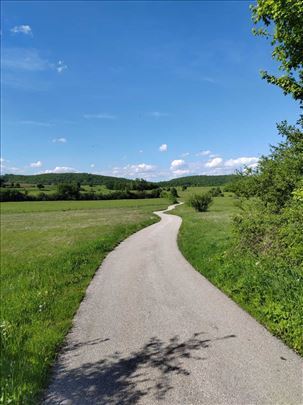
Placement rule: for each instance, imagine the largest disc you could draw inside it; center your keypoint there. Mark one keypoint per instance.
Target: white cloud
(175, 164)
(142, 168)
(8, 169)
(61, 169)
(185, 154)
(203, 153)
(163, 147)
(102, 116)
(248, 161)
(22, 29)
(36, 164)
(59, 140)
(61, 66)
(157, 114)
(135, 170)
(215, 162)
(92, 165)
(179, 167)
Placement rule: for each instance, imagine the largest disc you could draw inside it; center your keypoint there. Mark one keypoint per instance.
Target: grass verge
(274, 296)
(50, 252)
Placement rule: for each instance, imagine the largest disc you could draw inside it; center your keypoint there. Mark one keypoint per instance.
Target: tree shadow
(121, 379)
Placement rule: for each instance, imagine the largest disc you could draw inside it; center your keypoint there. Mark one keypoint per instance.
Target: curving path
(152, 330)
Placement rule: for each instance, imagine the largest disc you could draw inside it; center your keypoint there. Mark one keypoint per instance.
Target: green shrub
(216, 192)
(200, 202)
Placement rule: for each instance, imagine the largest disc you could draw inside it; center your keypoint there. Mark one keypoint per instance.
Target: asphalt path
(152, 330)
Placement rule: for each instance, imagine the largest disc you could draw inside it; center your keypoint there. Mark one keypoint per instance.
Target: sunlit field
(50, 251)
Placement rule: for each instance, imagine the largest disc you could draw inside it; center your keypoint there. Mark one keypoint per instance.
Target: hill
(201, 180)
(114, 183)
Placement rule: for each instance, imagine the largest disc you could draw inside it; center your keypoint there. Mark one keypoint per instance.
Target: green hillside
(202, 180)
(57, 178)
(114, 183)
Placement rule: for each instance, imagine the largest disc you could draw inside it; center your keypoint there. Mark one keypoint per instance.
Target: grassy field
(50, 251)
(273, 297)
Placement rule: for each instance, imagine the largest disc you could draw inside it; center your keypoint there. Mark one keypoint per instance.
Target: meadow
(50, 252)
(273, 296)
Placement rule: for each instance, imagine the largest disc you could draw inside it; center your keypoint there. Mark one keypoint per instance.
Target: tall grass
(273, 297)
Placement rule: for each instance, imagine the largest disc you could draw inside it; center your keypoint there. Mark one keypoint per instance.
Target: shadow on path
(124, 380)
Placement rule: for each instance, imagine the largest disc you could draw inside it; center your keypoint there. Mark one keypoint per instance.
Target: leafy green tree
(68, 191)
(282, 22)
(174, 192)
(40, 186)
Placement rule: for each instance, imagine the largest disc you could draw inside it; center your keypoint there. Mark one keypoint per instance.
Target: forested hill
(114, 183)
(202, 180)
(58, 178)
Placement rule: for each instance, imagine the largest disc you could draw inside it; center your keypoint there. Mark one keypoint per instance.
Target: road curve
(152, 330)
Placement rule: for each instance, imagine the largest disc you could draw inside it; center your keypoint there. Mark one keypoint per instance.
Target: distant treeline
(73, 192)
(115, 183)
(112, 183)
(203, 180)
(59, 178)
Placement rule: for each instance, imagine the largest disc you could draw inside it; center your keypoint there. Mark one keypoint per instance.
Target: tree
(174, 192)
(40, 186)
(68, 191)
(282, 22)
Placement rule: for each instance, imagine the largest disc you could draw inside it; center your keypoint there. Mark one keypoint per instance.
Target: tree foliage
(282, 22)
(202, 180)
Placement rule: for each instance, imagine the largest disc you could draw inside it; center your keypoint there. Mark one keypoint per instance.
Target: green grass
(50, 251)
(272, 295)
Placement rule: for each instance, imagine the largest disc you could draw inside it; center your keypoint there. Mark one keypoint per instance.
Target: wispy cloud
(157, 114)
(92, 165)
(28, 60)
(101, 116)
(35, 123)
(163, 147)
(36, 164)
(22, 29)
(23, 59)
(203, 153)
(6, 168)
(59, 140)
(185, 154)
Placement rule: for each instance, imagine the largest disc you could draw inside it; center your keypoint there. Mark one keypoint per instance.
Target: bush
(216, 192)
(200, 202)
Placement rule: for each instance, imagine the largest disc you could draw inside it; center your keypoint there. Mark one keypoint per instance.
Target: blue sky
(135, 89)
